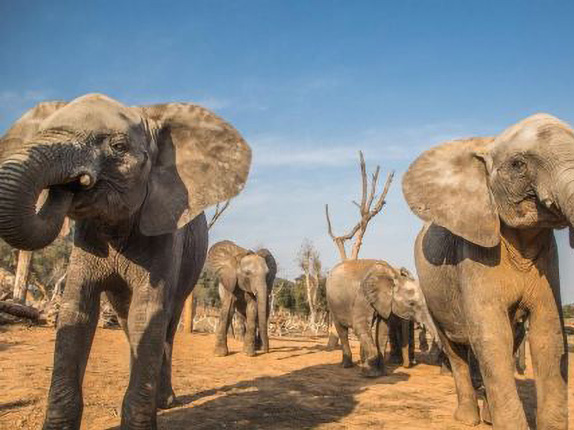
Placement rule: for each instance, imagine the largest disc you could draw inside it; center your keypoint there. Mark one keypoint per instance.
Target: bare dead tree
(310, 263)
(369, 206)
(218, 212)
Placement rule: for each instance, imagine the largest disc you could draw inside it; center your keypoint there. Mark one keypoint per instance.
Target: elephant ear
(271, 265)
(222, 261)
(30, 122)
(378, 286)
(448, 185)
(197, 160)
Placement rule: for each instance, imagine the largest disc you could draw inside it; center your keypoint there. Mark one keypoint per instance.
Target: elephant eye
(518, 165)
(119, 145)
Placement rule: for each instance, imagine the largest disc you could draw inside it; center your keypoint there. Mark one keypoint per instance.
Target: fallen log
(20, 311)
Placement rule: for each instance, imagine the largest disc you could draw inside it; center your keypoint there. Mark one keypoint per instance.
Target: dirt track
(298, 385)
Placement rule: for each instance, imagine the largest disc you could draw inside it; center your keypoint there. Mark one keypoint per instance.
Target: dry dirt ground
(298, 385)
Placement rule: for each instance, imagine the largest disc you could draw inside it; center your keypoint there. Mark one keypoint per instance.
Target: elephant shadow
(304, 398)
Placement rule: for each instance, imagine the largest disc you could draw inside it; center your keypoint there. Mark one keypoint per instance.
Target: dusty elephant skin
(362, 291)
(136, 180)
(487, 259)
(245, 284)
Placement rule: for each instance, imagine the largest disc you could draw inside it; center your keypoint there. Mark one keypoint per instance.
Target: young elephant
(362, 291)
(136, 180)
(487, 259)
(245, 284)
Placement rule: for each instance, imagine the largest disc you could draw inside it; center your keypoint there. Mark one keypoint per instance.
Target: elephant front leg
(78, 319)
(147, 324)
(372, 363)
(495, 356)
(405, 343)
(382, 339)
(225, 316)
(550, 365)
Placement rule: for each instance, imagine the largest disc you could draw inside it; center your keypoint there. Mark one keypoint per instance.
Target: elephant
(486, 258)
(136, 181)
(245, 285)
(360, 292)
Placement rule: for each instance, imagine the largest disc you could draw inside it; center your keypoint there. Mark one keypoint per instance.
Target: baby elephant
(362, 291)
(245, 283)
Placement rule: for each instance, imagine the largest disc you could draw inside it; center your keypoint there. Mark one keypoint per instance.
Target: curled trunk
(23, 176)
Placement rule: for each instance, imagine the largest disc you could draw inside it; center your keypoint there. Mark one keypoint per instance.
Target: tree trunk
(22, 272)
(189, 313)
(19, 311)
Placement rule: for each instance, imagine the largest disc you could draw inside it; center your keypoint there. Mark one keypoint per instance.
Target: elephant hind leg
(343, 333)
(165, 395)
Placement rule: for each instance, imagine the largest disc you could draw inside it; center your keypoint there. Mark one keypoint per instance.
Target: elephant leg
(147, 325)
(495, 355)
(120, 299)
(371, 365)
(423, 343)
(382, 337)
(165, 395)
(226, 311)
(467, 408)
(343, 333)
(249, 343)
(395, 355)
(77, 322)
(550, 364)
(521, 358)
(405, 344)
(241, 317)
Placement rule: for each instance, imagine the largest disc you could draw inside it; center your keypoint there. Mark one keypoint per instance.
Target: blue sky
(308, 84)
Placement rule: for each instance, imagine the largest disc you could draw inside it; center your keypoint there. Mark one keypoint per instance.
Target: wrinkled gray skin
(136, 180)
(362, 291)
(245, 284)
(487, 259)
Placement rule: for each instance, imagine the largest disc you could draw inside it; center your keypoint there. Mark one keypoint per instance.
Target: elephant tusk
(86, 180)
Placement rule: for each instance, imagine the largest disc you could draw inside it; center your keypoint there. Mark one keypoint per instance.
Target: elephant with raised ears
(486, 259)
(245, 285)
(136, 180)
(363, 292)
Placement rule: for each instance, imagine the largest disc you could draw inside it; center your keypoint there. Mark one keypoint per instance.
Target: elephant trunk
(23, 175)
(262, 316)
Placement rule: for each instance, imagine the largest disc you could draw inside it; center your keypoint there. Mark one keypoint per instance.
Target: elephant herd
(137, 179)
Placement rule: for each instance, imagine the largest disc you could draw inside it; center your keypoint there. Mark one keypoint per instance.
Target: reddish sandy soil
(298, 385)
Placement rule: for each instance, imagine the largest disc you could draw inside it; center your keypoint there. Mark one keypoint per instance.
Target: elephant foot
(394, 359)
(221, 351)
(249, 350)
(347, 362)
(372, 371)
(467, 413)
(485, 413)
(167, 401)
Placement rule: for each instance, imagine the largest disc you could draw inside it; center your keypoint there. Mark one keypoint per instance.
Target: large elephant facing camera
(136, 180)
(363, 292)
(487, 259)
(245, 284)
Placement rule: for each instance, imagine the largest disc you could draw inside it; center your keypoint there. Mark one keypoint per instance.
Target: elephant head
(160, 165)
(252, 272)
(396, 291)
(523, 177)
